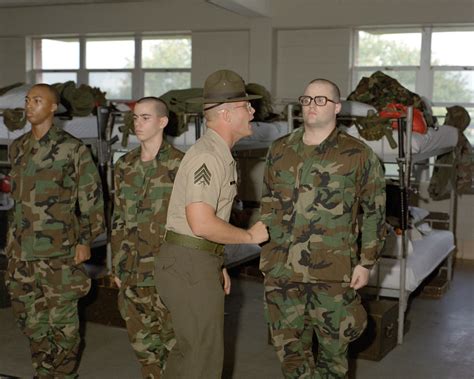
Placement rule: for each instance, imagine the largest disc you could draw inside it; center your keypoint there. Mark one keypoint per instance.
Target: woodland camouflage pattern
(380, 90)
(143, 191)
(294, 310)
(141, 204)
(149, 327)
(44, 293)
(58, 204)
(459, 172)
(312, 216)
(311, 200)
(50, 178)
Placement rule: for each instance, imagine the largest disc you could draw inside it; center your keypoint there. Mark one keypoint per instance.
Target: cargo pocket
(354, 317)
(75, 281)
(121, 302)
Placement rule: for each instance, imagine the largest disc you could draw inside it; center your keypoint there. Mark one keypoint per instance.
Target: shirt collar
(221, 146)
(163, 153)
(330, 142)
(51, 135)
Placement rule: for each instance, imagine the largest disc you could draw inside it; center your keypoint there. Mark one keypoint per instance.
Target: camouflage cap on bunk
(14, 119)
(380, 89)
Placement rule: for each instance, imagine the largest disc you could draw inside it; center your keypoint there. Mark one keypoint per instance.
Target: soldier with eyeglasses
(317, 180)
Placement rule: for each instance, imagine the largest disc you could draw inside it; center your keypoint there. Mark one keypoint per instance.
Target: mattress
(79, 127)
(235, 255)
(435, 139)
(423, 257)
(264, 133)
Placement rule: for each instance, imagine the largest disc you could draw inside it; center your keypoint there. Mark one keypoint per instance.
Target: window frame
(137, 72)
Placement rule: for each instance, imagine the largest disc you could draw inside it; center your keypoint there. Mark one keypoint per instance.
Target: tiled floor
(439, 345)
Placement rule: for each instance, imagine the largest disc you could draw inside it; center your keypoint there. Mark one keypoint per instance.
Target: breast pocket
(48, 183)
(127, 197)
(284, 195)
(327, 211)
(15, 183)
(323, 205)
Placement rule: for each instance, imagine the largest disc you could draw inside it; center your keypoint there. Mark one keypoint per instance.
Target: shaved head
(51, 91)
(336, 93)
(160, 106)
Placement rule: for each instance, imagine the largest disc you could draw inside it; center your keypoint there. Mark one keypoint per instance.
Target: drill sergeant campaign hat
(223, 86)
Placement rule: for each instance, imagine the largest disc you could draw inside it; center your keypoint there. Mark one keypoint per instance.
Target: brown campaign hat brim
(223, 86)
(202, 100)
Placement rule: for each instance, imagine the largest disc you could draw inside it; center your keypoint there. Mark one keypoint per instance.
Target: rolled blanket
(14, 119)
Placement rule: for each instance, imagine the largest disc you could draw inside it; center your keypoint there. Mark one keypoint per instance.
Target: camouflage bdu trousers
(44, 297)
(295, 310)
(149, 327)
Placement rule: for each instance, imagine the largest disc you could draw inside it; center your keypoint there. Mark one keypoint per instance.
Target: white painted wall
(12, 60)
(303, 55)
(219, 50)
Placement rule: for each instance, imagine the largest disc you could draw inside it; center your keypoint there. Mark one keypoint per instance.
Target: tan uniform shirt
(207, 174)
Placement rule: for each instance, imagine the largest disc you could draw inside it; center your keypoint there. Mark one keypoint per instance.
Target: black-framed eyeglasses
(320, 101)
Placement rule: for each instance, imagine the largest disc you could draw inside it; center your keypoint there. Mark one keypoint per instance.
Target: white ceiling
(36, 3)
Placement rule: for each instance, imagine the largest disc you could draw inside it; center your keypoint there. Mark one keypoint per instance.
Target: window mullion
(82, 73)
(137, 73)
(424, 78)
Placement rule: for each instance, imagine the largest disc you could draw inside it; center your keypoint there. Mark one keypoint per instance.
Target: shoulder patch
(202, 175)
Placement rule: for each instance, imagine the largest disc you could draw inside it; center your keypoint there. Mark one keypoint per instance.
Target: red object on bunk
(396, 110)
(5, 185)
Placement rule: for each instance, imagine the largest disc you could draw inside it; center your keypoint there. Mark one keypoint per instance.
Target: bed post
(404, 165)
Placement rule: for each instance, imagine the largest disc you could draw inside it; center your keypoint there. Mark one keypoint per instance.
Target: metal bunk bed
(405, 161)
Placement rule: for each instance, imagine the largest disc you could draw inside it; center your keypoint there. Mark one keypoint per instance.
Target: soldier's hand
(83, 253)
(360, 277)
(117, 281)
(258, 232)
(226, 283)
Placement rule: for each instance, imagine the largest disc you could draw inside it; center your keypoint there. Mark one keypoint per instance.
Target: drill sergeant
(189, 264)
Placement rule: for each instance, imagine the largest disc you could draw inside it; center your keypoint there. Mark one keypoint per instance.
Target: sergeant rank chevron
(202, 175)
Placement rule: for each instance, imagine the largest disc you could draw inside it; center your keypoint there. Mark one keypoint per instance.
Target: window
(166, 63)
(125, 67)
(48, 67)
(433, 62)
(397, 54)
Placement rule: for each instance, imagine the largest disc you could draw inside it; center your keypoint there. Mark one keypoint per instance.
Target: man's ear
(163, 122)
(338, 108)
(54, 107)
(226, 115)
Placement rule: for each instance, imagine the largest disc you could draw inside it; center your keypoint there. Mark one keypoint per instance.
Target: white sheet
(427, 254)
(444, 136)
(79, 127)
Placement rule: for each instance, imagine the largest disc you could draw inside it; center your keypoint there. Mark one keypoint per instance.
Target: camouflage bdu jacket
(58, 196)
(311, 199)
(142, 194)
